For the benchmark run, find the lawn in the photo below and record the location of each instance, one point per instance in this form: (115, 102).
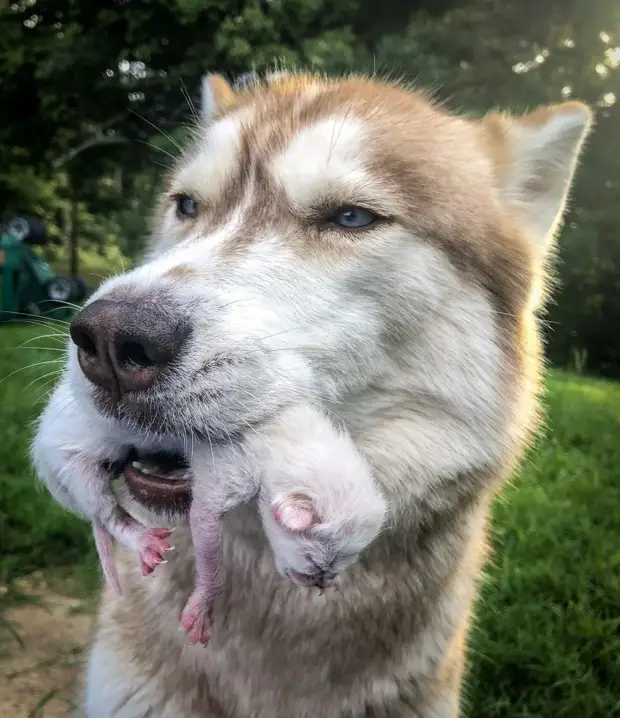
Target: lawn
(547, 636)
(35, 532)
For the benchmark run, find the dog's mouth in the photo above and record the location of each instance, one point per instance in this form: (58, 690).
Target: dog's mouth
(161, 481)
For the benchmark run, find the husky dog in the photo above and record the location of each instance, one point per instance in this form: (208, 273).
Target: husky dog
(342, 242)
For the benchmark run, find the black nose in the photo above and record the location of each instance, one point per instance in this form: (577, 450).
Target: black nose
(124, 345)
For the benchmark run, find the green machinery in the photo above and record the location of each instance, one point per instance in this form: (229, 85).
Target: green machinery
(28, 285)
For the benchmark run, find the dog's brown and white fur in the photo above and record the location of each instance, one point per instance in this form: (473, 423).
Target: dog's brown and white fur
(419, 333)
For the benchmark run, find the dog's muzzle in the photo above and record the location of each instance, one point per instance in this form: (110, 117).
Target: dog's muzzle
(125, 346)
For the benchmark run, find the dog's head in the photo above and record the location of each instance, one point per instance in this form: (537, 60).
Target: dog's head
(322, 237)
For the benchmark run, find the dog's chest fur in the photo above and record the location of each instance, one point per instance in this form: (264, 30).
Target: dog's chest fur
(278, 650)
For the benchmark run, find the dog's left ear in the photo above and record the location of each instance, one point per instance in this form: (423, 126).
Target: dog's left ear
(535, 158)
(217, 96)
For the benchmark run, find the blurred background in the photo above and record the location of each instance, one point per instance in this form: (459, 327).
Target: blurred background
(94, 97)
(95, 101)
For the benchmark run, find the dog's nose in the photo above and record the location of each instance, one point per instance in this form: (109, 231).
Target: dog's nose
(124, 345)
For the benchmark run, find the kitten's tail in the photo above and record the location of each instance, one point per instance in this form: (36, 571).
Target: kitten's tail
(104, 549)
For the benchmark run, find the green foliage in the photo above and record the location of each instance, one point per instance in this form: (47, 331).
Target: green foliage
(34, 531)
(95, 265)
(97, 97)
(547, 637)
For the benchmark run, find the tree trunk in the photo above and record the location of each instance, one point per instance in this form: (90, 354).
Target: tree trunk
(74, 233)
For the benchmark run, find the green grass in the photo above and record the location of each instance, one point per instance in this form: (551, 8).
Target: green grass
(35, 532)
(547, 639)
(547, 636)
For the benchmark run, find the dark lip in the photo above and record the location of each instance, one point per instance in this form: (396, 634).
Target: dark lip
(158, 492)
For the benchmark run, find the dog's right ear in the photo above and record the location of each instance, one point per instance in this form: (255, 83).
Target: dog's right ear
(216, 97)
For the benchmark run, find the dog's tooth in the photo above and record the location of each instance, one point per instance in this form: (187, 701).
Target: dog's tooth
(140, 467)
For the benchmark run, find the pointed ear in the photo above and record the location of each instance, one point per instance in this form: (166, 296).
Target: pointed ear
(535, 158)
(295, 512)
(217, 96)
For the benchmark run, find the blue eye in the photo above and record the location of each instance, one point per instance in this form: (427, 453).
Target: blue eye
(187, 207)
(353, 218)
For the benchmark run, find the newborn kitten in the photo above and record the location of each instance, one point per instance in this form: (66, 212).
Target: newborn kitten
(318, 502)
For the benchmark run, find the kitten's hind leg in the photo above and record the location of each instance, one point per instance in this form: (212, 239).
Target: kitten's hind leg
(111, 520)
(149, 544)
(206, 526)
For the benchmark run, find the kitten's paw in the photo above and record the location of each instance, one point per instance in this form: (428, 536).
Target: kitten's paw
(314, 545)
(197, 619)
(307, 559)
(151, 549)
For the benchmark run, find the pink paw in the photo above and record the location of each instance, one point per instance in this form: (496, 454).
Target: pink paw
(151, 549)
(295, 512)
(196, 621)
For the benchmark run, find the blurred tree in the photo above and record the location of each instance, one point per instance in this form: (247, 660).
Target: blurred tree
(94, 96)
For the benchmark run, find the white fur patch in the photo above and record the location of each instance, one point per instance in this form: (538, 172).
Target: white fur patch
(325, 158)
(219, 152)
(197, 252)
(111, 694)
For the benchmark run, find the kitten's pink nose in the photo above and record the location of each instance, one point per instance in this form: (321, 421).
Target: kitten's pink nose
(125, 345)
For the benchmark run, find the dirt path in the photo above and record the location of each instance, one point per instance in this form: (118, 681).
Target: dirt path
(42, 648)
